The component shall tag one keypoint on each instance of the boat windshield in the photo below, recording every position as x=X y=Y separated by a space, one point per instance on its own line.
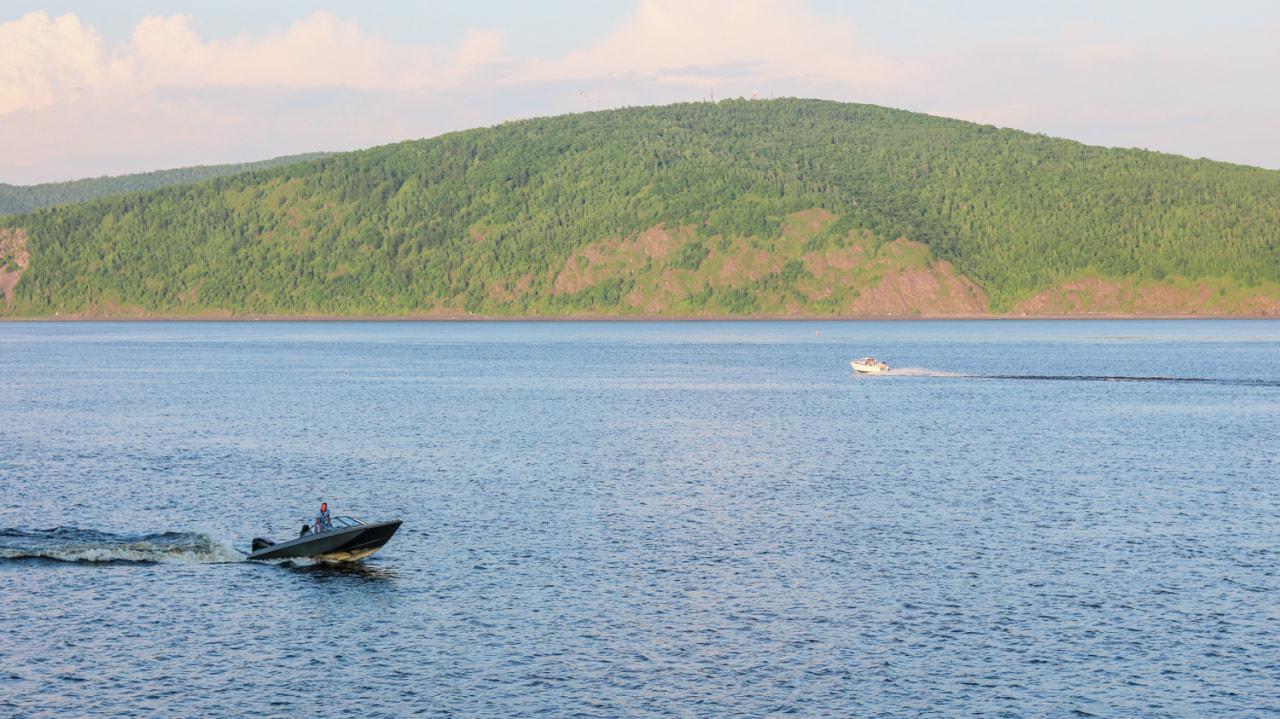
x=341 y=522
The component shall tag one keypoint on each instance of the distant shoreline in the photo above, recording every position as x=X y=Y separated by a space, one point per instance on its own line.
x=634 y=318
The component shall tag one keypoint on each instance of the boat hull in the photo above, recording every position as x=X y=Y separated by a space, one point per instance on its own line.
x=347 y=544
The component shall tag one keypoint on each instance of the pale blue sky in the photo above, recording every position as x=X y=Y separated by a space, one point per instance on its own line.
x=548 y=27
x=538 y=28
x=88 y=88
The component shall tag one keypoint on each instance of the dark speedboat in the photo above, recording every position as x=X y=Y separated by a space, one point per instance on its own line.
x=346 y=539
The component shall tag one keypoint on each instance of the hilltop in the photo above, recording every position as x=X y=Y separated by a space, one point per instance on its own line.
x=781 y=207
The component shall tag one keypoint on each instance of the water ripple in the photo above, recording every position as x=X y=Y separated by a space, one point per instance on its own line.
x=642 y=520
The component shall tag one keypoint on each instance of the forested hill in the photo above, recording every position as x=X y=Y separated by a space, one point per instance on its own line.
x=15 y=199
x=739 y=207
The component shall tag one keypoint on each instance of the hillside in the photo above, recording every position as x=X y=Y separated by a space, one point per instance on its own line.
x=16 y=199
x=740 y=207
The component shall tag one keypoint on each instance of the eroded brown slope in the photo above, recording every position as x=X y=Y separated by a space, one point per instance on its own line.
x=14 y=258
x=1174 y=298
x=851 y=276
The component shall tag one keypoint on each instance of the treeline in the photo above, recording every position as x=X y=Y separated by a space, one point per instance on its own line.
x=483 y=220
x=17 y=199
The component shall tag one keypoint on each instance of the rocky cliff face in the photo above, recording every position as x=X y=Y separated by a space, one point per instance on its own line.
x=1093 y=295
x=14 y=258
x=849 y=275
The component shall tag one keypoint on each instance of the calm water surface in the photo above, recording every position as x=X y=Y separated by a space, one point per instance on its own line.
x=690 y=519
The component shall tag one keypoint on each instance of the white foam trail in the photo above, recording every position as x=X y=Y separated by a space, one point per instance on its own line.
x=197 y=549
x=923 y=372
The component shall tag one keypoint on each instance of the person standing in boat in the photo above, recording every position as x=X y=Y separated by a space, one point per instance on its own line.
x=322 y=518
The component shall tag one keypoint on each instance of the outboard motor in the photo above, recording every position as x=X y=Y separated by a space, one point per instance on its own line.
x=262 y=543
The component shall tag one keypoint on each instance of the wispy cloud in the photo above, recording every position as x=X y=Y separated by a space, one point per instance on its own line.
x=695 y=42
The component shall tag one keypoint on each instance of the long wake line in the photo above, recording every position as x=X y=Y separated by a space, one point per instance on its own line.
x=915 y=372
x=1098 y=378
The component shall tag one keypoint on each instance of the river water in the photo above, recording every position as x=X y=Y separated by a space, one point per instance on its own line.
x=643 y=519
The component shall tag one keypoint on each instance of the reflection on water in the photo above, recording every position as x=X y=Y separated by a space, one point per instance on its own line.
x=345 y=572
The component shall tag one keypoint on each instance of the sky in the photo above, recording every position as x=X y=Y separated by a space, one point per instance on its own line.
x=91 y=88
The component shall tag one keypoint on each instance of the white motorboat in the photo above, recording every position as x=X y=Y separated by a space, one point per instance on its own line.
x=869 y=365
x=345 y=539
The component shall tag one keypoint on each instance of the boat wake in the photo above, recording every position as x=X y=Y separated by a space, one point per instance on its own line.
x=924 y=372
x=1097 y=378
x=70 y=544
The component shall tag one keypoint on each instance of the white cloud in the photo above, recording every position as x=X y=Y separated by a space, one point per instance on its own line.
x=318 y=51
x=47 y=61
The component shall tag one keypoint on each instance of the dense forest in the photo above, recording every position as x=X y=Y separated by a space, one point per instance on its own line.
x=16 y=199
x=493 y=221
